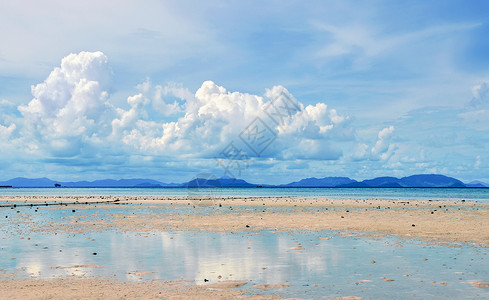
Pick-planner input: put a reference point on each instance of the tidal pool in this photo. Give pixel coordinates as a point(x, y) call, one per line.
point(314, 264)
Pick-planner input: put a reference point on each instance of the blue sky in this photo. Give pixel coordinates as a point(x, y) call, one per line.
point(160, 89)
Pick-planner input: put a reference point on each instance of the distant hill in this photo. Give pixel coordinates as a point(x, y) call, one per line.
point(321, 182)
point(199, 182)
point(45, 182)
point(354, 184)
point(383, 182)
point(116, 183)
point(27, 182)
point(220, 182)
point(421, 180)
point(431, 180)
point(477, 183)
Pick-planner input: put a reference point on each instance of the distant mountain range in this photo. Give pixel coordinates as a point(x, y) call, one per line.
point(422, 180)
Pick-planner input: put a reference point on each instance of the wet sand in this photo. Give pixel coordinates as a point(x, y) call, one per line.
point(438, 222)
point(433, 221)
point(100, 288)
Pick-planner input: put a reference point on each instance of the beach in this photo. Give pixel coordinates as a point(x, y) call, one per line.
point(244, 150)
point(448, 224)
point(441, 221)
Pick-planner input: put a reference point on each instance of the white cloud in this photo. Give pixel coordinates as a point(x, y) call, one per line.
point(156, 34)
point(476, 113)
point(383, 148)
point(70, 113)
point(71, 117)
point(128, 119)
point(5, 102)
point(157, 95)
point(315, 122)
point(366, 42)
point(211, 117)
point(71, 106)
point(169, 109)
point(480, 96)
point(214, 117)
point(6, 131)
point(360, 152)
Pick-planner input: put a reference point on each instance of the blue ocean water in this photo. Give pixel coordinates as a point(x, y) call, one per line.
point(477, 194)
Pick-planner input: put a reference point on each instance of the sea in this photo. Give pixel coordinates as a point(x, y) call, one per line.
point(458, 194)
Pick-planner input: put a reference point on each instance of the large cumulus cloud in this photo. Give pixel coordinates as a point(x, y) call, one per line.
point(71, 117)
point(70, 108)
point(213, 117)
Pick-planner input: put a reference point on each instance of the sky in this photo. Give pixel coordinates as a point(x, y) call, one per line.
point(267, 91)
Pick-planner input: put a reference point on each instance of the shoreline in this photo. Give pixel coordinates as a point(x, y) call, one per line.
point(236, 200)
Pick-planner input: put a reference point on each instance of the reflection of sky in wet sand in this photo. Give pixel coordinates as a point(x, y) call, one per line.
point(340, 265)
point(332, 267)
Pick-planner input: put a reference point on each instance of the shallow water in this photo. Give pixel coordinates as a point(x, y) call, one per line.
point(324, 268)
point(478, 194)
